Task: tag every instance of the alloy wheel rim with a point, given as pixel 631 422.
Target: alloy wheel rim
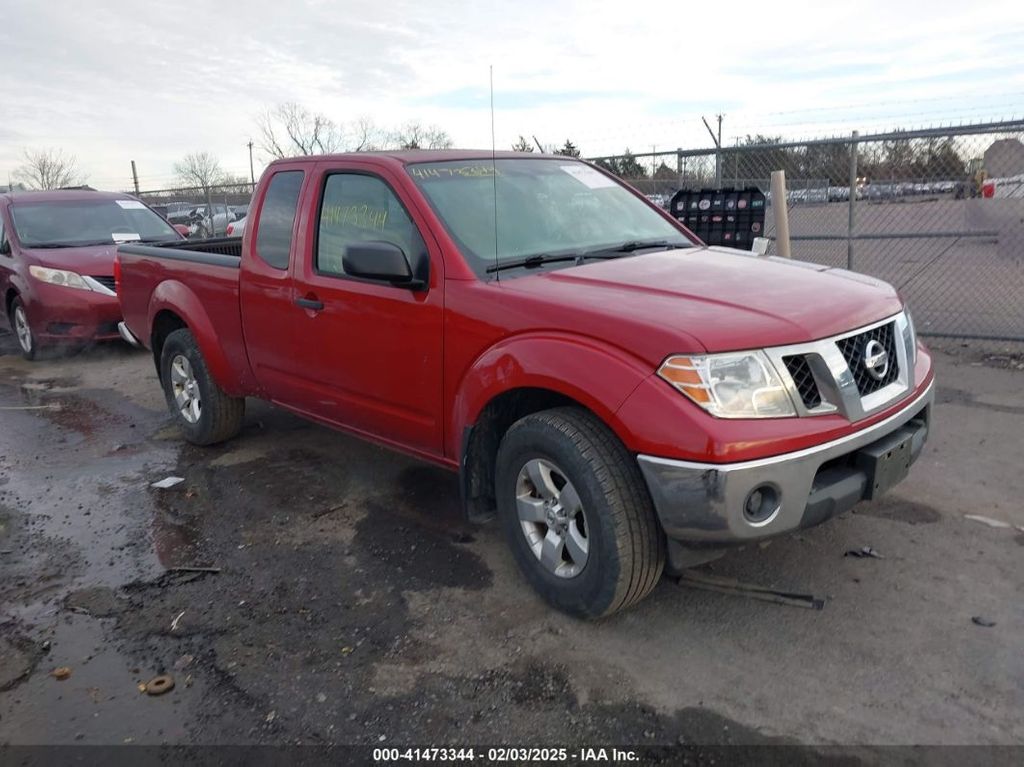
pixel 552 519
pixel 185 389
pixel 21 329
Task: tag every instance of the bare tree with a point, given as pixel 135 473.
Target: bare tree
pixel 235 185
pixel 48 169
pixel 199 169
pixel 415 135
pixel 364 136
pixel 522 145
pixel 289 130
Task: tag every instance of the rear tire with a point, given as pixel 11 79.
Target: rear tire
pixel 22 330
pixel 619 549
pixel 205 414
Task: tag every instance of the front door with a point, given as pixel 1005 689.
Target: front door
pixel 372 350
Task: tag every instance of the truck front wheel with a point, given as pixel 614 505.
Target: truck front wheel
pixel 200 407
pixel 576 513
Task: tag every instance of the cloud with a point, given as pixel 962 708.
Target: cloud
pixel 151 82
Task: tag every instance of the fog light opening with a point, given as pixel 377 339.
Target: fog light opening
pixel 761 505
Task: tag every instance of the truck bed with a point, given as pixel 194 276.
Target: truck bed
pixel 201 275
pixel 224 246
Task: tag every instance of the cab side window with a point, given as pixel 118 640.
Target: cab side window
pixel 277 218
pixel 359 208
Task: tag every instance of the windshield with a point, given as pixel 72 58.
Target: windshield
pixel 545 207
pixel 67 223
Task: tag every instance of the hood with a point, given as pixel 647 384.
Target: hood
pixel 725 299
pixel 93 260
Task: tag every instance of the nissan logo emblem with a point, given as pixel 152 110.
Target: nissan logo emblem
pixel 876 360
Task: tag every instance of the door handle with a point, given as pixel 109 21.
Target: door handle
pixel 310 303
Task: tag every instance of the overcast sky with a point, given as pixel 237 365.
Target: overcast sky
pixel 120 80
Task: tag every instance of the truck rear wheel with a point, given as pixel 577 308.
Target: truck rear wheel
pixel 200 407
pixel 576 513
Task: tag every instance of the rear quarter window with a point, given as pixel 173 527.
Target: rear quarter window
pixel 277 218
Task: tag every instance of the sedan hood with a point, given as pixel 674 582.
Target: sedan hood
pixel 725 299
pixel 93 260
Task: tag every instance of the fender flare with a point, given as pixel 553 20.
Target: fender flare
pixel 176 297
pixel 550 360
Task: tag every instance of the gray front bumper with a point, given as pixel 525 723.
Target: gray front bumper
pixel 703 503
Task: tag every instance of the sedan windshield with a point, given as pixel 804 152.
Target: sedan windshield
pixel 549 211
pixel 70 223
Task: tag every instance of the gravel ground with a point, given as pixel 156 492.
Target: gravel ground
pixel 348 602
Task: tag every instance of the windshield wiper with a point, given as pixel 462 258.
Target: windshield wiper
pixel 629 247
pixel 532 262
pixel 53 245
pixel 612 251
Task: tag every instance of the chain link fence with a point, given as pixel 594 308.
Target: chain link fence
pixel 203 211
pixel 938 213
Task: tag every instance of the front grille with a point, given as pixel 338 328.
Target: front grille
pixel 853 349
pixel 107 282
pixel 804 380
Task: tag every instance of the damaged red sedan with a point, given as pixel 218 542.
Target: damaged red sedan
pixel 57 262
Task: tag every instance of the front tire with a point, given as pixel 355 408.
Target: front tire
pixel 22 330
pixel 203 411
pixel 577 514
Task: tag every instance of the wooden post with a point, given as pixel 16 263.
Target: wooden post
pixel 780 210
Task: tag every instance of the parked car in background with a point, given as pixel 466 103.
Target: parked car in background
pixel 57 262
pixel 176 212
pixel 200 224
pixel 164 212
pixel 236 228
pixel 623 397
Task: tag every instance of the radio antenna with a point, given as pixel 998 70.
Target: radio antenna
pixel 494 180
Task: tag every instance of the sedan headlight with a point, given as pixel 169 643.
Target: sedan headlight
pixel 731 385
pixel 59 277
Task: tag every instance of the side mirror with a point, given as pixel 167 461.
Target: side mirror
pixel 381 261
pixel 760 245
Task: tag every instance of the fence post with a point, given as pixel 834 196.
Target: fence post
pixel 209 212
pixel 780 210
pixel 852 202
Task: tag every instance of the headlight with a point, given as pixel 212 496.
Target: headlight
pixel 59 277
pixel 910 339
pixel 732 385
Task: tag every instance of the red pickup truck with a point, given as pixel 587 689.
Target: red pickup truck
pixel 623 397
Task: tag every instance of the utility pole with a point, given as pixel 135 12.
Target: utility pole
pixel 252 170
pixel 135 178
pixel 654 161
pixel 718 150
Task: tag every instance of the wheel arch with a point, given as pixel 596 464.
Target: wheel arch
pixel 482 439
pixel 174 306
pixel 165 322
pixel 525 375
pixel 9 297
